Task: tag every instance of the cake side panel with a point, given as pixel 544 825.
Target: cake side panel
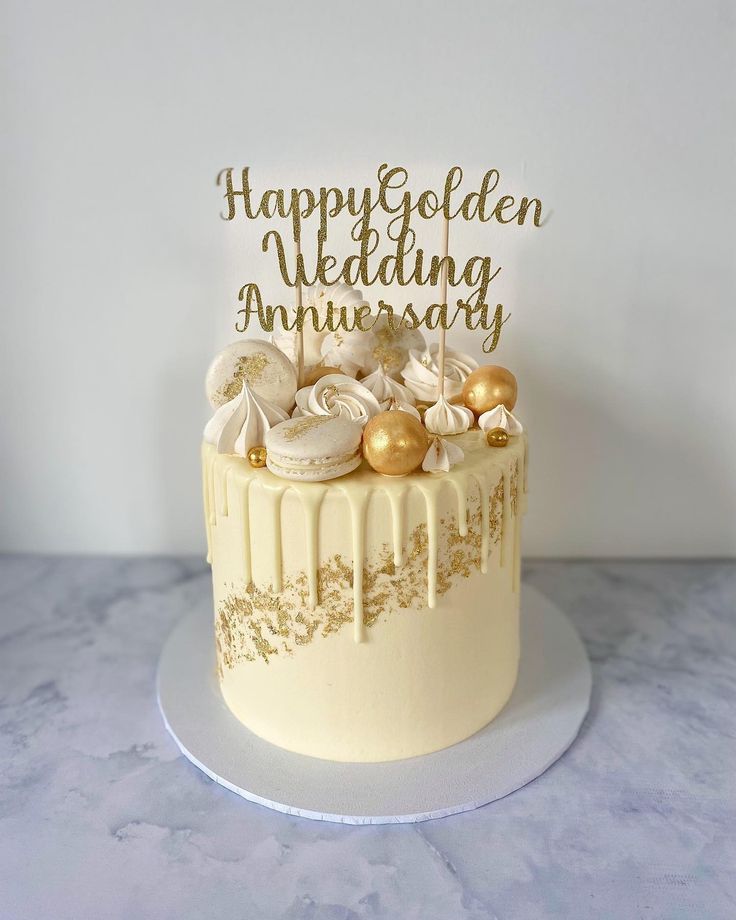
pixel 424 679
pixel 421 678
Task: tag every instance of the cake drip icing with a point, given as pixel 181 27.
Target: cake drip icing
pixel 483 470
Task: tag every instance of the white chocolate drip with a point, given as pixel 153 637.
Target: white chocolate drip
pixel 206 476
pixel 430 498
pixel 461 488
pixel 397 498
pixel 312 501
pixel 358 502
pixel 247 570
pixel 485 523
pixel 277 495
pixel 223 495
pixel 505 514
pixel 516 572
pixel 481 475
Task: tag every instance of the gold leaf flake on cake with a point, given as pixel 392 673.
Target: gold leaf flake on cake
pixel 303 425
pixel 257 622
pixel 390 358
pixel 388 353
pixel 248 367
pixel 514 487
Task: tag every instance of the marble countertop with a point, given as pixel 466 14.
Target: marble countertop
pixel 101 817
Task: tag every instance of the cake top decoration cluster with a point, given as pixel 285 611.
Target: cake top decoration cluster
pixel 399 401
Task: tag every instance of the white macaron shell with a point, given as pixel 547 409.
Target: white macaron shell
pixel 267 370
pixel 314 448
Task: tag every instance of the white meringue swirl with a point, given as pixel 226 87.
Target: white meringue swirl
pixel 500 417
pixel 242 423
pixel 338 395
pixel 394 344
pixel 341 295
pixel 421 372
pixel 385 388
pixel 444 418
pixel 351 351
pixel 441 456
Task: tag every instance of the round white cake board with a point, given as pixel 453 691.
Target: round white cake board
pixel 536 727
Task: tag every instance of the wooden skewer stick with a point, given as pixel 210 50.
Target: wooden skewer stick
pixel 443 299
pixel 299 339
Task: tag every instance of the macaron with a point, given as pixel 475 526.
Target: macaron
pixel 267 370
pixel 314 448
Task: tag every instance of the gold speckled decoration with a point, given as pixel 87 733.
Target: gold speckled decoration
pixel 514 487
pixel 248 367
pixel 257 622
pixel 389 357
pixel 389 351
pixel 301 427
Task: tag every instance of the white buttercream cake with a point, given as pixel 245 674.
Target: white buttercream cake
pixel 364 616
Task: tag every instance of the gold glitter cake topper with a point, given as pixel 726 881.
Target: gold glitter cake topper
pixel 406 262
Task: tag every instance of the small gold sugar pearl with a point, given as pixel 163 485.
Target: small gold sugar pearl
pixel 497 437
pixel 257 457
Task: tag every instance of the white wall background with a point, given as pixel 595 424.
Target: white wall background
pixel 120 280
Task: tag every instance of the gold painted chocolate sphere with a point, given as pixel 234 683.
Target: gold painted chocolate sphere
pixel 488 387
pixel 257 457
pixel 313 374
pixel 394 443
pixel 497 437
